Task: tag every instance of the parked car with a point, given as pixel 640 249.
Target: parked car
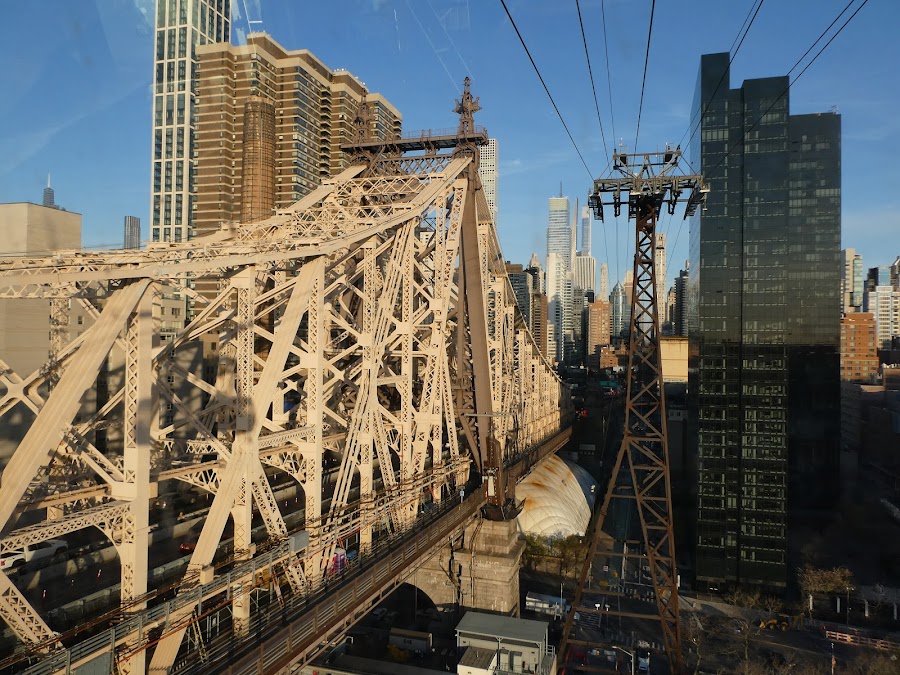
pixel 33 552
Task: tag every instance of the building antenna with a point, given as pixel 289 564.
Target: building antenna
pixel 48 179
pixel 560 188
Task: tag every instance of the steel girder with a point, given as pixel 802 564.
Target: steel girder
pixel 337 332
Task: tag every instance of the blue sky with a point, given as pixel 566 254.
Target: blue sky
pixel 77 95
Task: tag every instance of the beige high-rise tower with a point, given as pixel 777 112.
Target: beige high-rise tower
pixel 270 125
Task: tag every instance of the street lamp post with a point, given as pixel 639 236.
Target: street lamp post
pixel 630 654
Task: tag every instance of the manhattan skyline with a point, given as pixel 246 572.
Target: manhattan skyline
pixel 80 107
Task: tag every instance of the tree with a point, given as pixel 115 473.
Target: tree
pixel 535 551
pixel 749 599
pixel 572 551
pixel 693 633
pixel 873 663
pixel 814 581
pixel 772 604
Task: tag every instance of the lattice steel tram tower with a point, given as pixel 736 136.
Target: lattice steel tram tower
pixel 639 484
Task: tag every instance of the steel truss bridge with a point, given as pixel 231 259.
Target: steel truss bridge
pixel 369 327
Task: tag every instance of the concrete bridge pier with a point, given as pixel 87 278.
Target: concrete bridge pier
pixel 479 569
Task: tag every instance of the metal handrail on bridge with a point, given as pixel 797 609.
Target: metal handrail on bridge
pixel 319 621
pixel 370 570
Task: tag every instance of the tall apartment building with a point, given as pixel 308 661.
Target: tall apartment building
pixel 659 253
pixel 180 28
pixel 679 307
pixel 881 297
pixel 852 281
pixel 560 243
pixel 859 348
pixel 603 291
pixel 487 170
pixel 884 303
pixel 270 125
pixel 598 320
pixel 585 272
pixel 132 232
pixel 620 311
pixel 539 308
pixel 559 305
pixel 585 265
pixel 522 283
pixel 763 323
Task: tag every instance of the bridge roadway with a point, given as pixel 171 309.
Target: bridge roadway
pixel 286 634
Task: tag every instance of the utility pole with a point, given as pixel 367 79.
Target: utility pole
pixel 640 481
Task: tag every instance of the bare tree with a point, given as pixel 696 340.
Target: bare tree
pixel 835 580
pixel 870 662
pixel 772 604
pixel 693 632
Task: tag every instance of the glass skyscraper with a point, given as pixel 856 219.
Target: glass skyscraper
pixel 561 243
pixel 763 320
pixel 180 27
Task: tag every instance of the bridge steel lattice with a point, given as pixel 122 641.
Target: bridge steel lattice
pixel 341 327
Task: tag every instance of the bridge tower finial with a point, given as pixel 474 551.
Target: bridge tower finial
pixel 466 107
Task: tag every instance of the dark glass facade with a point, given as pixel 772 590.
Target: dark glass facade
pixel 763 292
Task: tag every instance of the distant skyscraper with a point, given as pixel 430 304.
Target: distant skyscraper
pixel 659 251
pixel 598 330
pixel 679 307
pixel 132 232
pixel 559 274
pixel 180 28
pixel 585 265
pixel 620 310
pixel 522 284
pixel 49 199
pixel 585 273
pixel 559 304
pixel 585 230
pixel 604 281
pixel 884 303
pixel 487 169
pixel 764 297
pixel 851 281
pixel 537 272
pixel 539 311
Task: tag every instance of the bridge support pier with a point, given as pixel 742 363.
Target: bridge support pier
pixel 477 570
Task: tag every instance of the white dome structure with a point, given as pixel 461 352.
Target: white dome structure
pixel 558 499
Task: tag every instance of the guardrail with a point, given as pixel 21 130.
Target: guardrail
pixel 861 640
pixel 331 614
